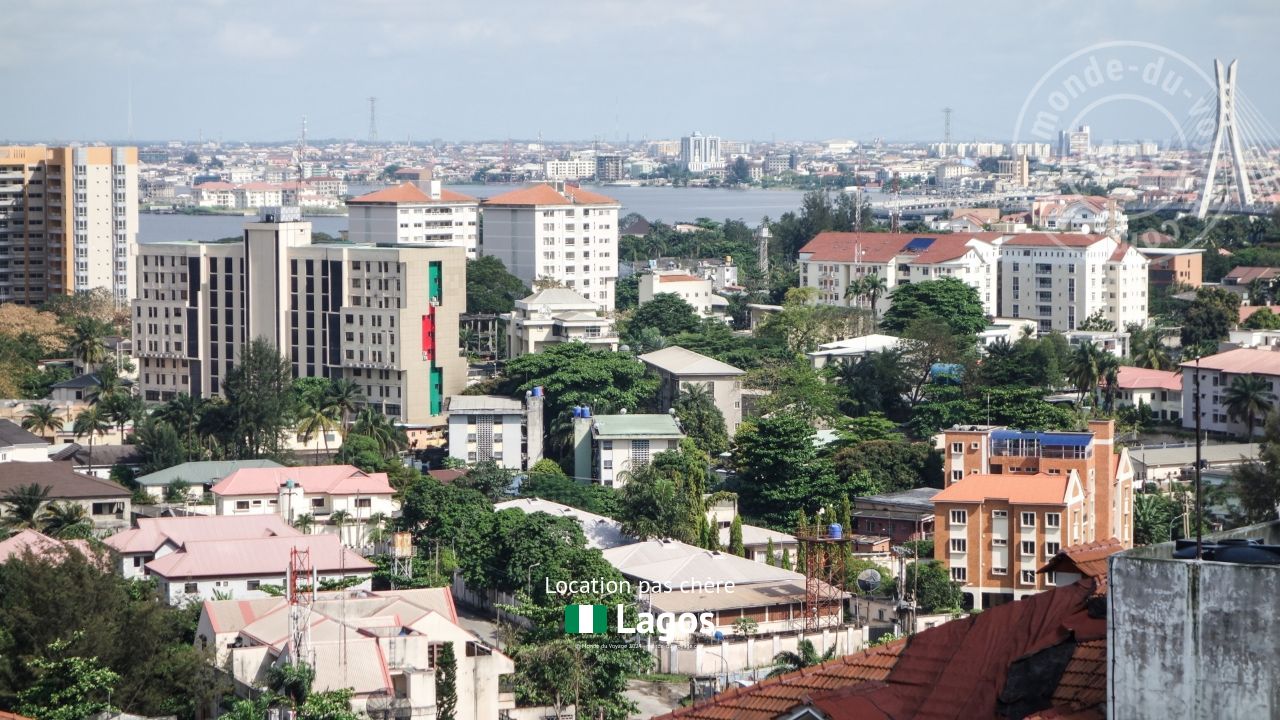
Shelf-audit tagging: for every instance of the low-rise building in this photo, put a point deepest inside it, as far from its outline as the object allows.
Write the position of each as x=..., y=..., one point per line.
x=1159, y=391
x=556, y=315
x=602, y=532
x=156, y=537
x=488, y=427
x=106, y=502
x=1174, y=266
x=902, y=516
x=384, y=646
x=680, y=369
x=337, y=498
x=607, y=447
x=695, y=290
x=1163, y=465
x=200, y=475
x=851, y=350
x=19, y=445
x=1216, y=373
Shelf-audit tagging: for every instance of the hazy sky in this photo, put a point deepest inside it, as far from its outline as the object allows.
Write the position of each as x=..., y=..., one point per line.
x=568, y=69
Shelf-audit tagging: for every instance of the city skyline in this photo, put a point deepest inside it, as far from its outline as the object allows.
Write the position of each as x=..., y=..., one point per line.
x=612, y=71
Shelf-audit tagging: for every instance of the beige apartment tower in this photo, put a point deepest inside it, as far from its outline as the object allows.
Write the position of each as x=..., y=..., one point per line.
x=385, y=318
x=68, y=221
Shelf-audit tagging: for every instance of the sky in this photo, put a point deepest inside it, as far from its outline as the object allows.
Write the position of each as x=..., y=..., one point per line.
x=230, y=70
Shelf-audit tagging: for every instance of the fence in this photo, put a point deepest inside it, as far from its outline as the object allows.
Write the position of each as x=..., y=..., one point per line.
x=750, y=655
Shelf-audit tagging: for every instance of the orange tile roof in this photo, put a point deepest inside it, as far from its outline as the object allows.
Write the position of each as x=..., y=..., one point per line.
x=1122, y=249
x=678, y=278
x=856, y=246
x=544, y=194
x=1241, y=361
x=409, y=193
x=1088, y=559
x=1133, y=378
x=1037, y=489
x=1064, y=239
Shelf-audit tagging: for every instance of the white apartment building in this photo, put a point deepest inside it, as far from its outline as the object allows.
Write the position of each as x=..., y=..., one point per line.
x=556, y=315
x=556, y=232
x=501, y=429
x=384, y=317
x=68, y=221
x=1216, y=374
x=607, y=447
x=833, y=261
x=1059, y=280
x=680, y=368
x=696, y=291
x=577, y=168
x=1079, y=214
x=699, y=153
x=407, y=215
x=1159, y=391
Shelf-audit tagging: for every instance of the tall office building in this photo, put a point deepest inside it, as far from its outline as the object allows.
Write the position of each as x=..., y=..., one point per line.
x=699, y=153
x=1075, y=143
x=556, y=232
x=385, y=318
x=68, y=221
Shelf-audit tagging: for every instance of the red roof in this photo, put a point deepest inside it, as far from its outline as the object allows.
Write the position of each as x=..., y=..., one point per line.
x=1121, y=250
x=1243, y=275
x=1087, y=559
x=678, y=278
x=883, y=247
x=1019, y=489
x=316, y=479
x=1241, y=361
x=544, y=194
x=409, y=193
x=959, y=670
x=1136, y=378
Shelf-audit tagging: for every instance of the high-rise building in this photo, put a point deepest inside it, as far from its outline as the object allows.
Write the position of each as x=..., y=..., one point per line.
x=699, y=153
x=68, y=221
x=385, y=318
x=1075, y=143
x=608, y=168
x=413, y=215
x=556, y=232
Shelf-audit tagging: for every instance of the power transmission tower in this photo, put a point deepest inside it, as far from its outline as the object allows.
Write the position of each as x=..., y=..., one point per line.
x=373, y=119
x=946, y=126
x=1229, y=127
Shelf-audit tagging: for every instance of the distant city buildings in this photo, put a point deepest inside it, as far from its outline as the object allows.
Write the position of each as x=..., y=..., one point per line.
x=700, y=153
x=385, y=318
x=68, y=221
x=1074, y=143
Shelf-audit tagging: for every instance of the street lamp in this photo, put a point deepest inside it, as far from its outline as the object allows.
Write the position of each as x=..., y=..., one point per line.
x=724, y=664
x=528, y=577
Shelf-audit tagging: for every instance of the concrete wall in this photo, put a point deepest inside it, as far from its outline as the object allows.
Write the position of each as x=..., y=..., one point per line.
x=735, y=655
x=1192, y=640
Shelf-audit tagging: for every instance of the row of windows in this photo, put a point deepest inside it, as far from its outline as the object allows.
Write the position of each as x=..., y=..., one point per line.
x=1026, y=577
x=1051, y=520
x=1028, y=547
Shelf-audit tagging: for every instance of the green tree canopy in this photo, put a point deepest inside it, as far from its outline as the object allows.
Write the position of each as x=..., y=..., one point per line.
x=779, y=470
x=663, y=499
x=259, y=394
x=667, y=313
x=949, y=299
x=1209, y=319
x=547, y=481
x=491, y=289
x=701, y=420
x=932, y=587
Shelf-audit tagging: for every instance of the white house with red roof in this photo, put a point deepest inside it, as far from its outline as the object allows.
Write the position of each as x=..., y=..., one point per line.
x=1160, y=391
x=833, y=261
x=1217, y=372
x=1078, y=213
x=157, y=537
x=558, y=232
x=409, y=215
x=385, y=646
x=318, y=491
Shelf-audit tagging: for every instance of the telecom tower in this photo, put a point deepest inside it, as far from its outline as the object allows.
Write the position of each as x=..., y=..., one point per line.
x=762, y=236
x=373, y=119
x=301, y=597
x=1227, y=125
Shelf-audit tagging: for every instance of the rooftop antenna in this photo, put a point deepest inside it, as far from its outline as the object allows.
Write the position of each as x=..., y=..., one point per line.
x=895, y=216
x=301, y=598
x=373, y=119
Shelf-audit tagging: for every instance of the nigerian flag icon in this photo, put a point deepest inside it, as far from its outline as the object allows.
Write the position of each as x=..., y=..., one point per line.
x=585, y=619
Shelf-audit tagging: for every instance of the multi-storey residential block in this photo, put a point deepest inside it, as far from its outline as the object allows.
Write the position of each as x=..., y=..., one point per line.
x=408, y=215
x=556, y=315
x=68, y=221
x=680, y=369
x=1174, y=266
x=1159, y=391
x=833, y=261
x=385, y=318
x=607, y=447
x=696, y=291
x=1105, y=476
x=1059, y=280
x=1216, y=373
x=994, y=531
x=501, y=429
x=577, y=168
x=609, y=168
x=699, y=153
x=556, y=232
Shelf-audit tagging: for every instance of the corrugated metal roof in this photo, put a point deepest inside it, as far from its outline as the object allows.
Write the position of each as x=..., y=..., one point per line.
x=639, y=425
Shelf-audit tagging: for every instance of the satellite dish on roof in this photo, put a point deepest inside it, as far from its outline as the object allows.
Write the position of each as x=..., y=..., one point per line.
x=869, y=580
x=379, y=706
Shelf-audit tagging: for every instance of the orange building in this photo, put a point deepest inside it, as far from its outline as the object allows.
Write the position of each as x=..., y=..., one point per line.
x=1174, y=266
x=1072, y=487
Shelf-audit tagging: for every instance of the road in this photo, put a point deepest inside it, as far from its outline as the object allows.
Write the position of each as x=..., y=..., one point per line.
x=655, y=698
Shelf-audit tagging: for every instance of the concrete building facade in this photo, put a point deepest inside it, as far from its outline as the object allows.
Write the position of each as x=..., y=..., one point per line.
x=68, y=221
x=556, y=315
x=385, y=318
x=1060, y=280
x=607, y=447
x=679, y=369
x=408, y=215
x=696, y=291
x=501, y=429
x=1216, y=373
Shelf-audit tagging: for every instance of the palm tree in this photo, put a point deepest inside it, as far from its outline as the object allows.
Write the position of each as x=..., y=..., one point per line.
x=304, y=523
x=42, y=419
x=66, y=520
x=1111, y=376
x=1248, y=396
x=121, y=408
x=370, y=421
x=317, y=420
x=855, y=289
x=1148, y=348
x=804, y=656
x=108, y=383
x=340, y=518
x=182, y=412
x=1087, y=368
x=91, y=421
x=86, y=344
x=873, y=286
x=376, y=528
x=23, y=507
x=344, y=397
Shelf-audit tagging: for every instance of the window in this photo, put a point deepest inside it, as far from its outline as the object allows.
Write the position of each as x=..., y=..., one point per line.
x=999, y=514
x=1053, y=520
x=1029, y=547
x=242, y=505
x=957, y=447
x=959, y=574
x=1051, y=549
x=1028, y=577
x=317, y=502
x=999, y=571
x=959, y=517
x=959, y=545
x=253, y=584
x=364, y=502
x=608, y=464
x=1028, y=519
x=191, y=589
x=957, y=475
x=999, y=542
x=606, y=444
x=137, y=561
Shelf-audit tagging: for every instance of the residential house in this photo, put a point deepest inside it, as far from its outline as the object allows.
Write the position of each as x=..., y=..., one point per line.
x=106, y=502
x=693, y=289
x=157, y=537
x=384, y=646
x=80, y=388
x=679, y=369
x=102, y=461
x=602, y=532
x=1159, y=391
x=1167, y=267
x=902, y=516
x=1215, y=374
x=19, y=445
x=556, y=315
x=852, y=349
x=1079, y=214
x=488, y=427
x=42, y=546
x=607, y=447
x=200, y=475
x=1162, y=465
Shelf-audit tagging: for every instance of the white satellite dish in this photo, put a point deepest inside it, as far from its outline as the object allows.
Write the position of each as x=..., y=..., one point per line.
x=869, y=580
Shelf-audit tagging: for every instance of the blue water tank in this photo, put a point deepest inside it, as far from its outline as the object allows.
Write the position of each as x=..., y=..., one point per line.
x=537, y=391
x=586, y=411
x=577, y=411
x=835, y=531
